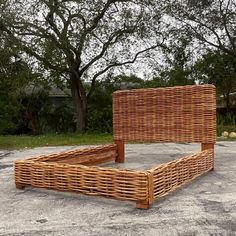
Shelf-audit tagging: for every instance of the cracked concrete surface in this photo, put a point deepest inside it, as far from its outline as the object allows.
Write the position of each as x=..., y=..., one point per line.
x=207, y=206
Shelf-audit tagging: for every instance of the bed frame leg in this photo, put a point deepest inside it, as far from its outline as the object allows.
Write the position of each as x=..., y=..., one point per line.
x=206, y=146
x=146, y=204
x=120, y=151
x=143, y=204
x=20, y=186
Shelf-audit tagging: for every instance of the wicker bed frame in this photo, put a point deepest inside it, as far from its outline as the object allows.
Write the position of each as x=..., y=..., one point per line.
x=176, y=114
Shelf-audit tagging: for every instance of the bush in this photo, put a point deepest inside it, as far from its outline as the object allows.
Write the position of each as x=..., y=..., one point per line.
x=8, y=112
x=34, y=106
x=226, y=120
x=60, y=119
x=39, y=114
x=100, y=120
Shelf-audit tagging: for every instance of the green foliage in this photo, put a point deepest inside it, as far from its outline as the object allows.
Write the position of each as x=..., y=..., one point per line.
x=219, y=69
x=100, y=103
x=8, y=111
x=59, y=119
x=221, y=128
x=210, y=24
x=14, y=75
x=215, y=67
x=40, y=114
x=34, y=107
x=226, y=119
x=100, y=120
x=177, y=58
x=155, y=82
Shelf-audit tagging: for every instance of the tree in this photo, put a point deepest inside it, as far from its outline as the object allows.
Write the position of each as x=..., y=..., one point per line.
x=82, y=40
x=211, y=24
x=211, y=28
x=176, y=63
x=217, y=68
x=14, y=75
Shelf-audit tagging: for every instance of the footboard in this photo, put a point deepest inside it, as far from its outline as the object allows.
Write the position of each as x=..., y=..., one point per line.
x=72, y=171
x=91, y=180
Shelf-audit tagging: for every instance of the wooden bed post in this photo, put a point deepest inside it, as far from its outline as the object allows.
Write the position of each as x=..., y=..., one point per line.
x=120, y=158
x=206, y=146
x=20, y=186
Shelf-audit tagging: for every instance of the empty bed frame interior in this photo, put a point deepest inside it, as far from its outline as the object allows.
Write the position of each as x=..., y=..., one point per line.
x=176, y=114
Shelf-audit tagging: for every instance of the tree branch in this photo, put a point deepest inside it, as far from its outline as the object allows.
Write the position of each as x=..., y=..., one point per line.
x=95, y=22
x=111, y=40
x=30, y=51
x=201, y=37
x=224, y=18
x=117, y=64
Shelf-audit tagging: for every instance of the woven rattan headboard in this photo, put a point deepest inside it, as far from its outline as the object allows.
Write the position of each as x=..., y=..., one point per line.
x=173, y=114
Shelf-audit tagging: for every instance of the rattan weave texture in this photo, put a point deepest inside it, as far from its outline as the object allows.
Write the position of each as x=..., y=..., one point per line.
x=86, y=156
x=91, y=180
x=172, y=175
x=175, y=114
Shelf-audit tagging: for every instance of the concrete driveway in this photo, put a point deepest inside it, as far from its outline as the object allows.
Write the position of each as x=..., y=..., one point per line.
x=207, y=206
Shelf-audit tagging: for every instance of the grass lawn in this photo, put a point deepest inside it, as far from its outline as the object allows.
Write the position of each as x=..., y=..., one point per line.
x=27, y=141
x=30, y=141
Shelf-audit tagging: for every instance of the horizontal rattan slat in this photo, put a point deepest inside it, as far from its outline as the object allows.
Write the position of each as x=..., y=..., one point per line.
x=174, y=114
x=172, y=175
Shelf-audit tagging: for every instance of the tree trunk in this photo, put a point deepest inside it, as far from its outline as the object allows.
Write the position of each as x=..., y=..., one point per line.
x=80, y=100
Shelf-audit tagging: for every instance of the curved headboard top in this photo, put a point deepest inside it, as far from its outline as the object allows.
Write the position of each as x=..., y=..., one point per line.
x=171, y=114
